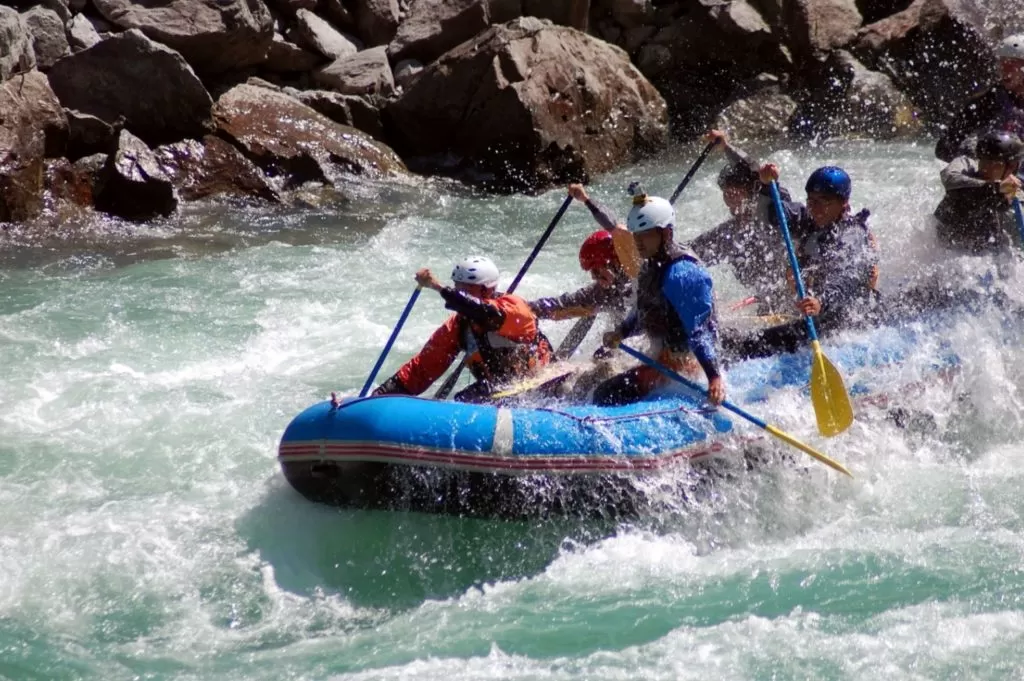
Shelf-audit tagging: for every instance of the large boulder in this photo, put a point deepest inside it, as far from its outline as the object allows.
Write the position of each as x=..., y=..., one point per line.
x=528, y=104
x=288, y=139
x=87, y=134
x=134, y=186
x=435, y=26
x=765, y=114
x=572, y=13
x=933, y=51
x=365, y=73
x=286, y=57
x=700, y=61
x=213, y=167
x=129, y=76
x=214, y=36
x=16, y=53
x=49, y=41
x=81, y=33
x=22, y=152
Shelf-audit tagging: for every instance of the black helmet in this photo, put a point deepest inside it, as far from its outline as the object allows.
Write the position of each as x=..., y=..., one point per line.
x=1000, y=145
x=738, y=174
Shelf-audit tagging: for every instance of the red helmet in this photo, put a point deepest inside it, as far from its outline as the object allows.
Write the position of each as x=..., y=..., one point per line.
x=598, y=251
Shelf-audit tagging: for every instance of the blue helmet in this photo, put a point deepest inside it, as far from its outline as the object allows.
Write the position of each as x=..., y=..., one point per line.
x=830, y=180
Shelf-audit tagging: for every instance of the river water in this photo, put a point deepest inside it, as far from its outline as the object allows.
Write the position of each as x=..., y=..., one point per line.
x=146, y=532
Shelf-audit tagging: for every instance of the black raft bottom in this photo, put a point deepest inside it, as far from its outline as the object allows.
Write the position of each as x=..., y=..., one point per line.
x=385, y=486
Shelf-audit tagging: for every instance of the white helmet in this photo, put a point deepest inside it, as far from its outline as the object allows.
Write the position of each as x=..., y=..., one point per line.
x=650, y=212
x=476, y=270
x=1011, y=48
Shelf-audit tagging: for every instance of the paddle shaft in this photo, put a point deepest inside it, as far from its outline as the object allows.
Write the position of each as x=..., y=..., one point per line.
x=785, y=437
x=1020, y=217
x=391, y=341
x=693, y=170
x=453, y=378
x=575, y=336
x=784, y=226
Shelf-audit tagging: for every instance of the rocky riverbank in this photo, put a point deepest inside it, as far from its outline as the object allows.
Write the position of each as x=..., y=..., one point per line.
x=129, y=108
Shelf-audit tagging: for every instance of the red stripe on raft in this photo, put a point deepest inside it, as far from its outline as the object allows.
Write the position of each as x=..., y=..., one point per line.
x=294, y=452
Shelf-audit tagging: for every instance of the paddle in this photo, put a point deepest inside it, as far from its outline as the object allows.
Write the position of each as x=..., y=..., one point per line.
x=1020, y=217
x=446, y=388
x=693, y=170
x=391, y=341
x=831, y=402
x=772, y=430
x=575, y=336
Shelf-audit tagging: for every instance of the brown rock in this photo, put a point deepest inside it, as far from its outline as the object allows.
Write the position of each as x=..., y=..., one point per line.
x=365, y=73
x=572, y=13
x=287, y=138
x=285, y=57
x=214, y=36
x=130, y=76
x=213, y=168
x=351, y=110
x=528, y=104
x=67, y=183
x=317, y=35
x=435, y=26
x=134, y=186
x=81, y=33
x=87, y=134
x=817, y=27
x=763, y=115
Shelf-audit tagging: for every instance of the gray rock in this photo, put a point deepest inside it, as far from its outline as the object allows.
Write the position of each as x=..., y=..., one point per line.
x=134, y=186
x=505, y=10
x=81, y=33
x=527, y=105
x=16, y=53
x=317, y=35
x=350, y=110
x=406, y=72
x=435, y=26
x=87, y=134
x=763, y=115
x=129, y=76
x=214, y=36
x=286, y=57
x=376, y=21
x=366, y=73
x=213, y=167
x=49, y=41
x=816, y=27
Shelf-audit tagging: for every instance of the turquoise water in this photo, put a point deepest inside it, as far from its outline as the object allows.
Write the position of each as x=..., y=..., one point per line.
x=146, y=532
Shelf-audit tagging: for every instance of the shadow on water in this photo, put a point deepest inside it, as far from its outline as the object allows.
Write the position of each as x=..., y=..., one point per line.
x=397, y=560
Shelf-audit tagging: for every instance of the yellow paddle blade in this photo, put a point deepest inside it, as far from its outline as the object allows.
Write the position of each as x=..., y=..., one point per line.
x=828, y=395
x=544, y=380
x=807, y=449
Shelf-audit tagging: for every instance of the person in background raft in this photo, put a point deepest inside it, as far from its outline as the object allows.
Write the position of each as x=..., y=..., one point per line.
x=498, y=332
x=612, y=289
x=838, y=259
x=674, y=307
x=1000, y=107
x=747, y=241
x=976, y=215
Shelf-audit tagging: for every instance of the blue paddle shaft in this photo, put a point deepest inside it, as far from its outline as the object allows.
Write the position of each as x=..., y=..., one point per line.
x=540, y=244
x=784, y=226
x=1020, y=217
x=391, y=341
x=675, y=376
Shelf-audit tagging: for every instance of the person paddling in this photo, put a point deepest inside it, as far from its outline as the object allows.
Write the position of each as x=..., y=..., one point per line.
x=498, y=332
x=976, y=214
x=674, y=308
x=611, y=290
x=838, y=258
x=1000, y=107
x=747, y=241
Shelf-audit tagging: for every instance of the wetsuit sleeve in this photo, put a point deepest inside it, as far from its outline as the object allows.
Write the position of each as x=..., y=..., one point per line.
x=844, y=269
x=601, y=214
x=629, y=326
x=797, y=218
x=687, y=286
x=432, y=361
x=582, y=303
x=480, y=312
x=959, y=177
